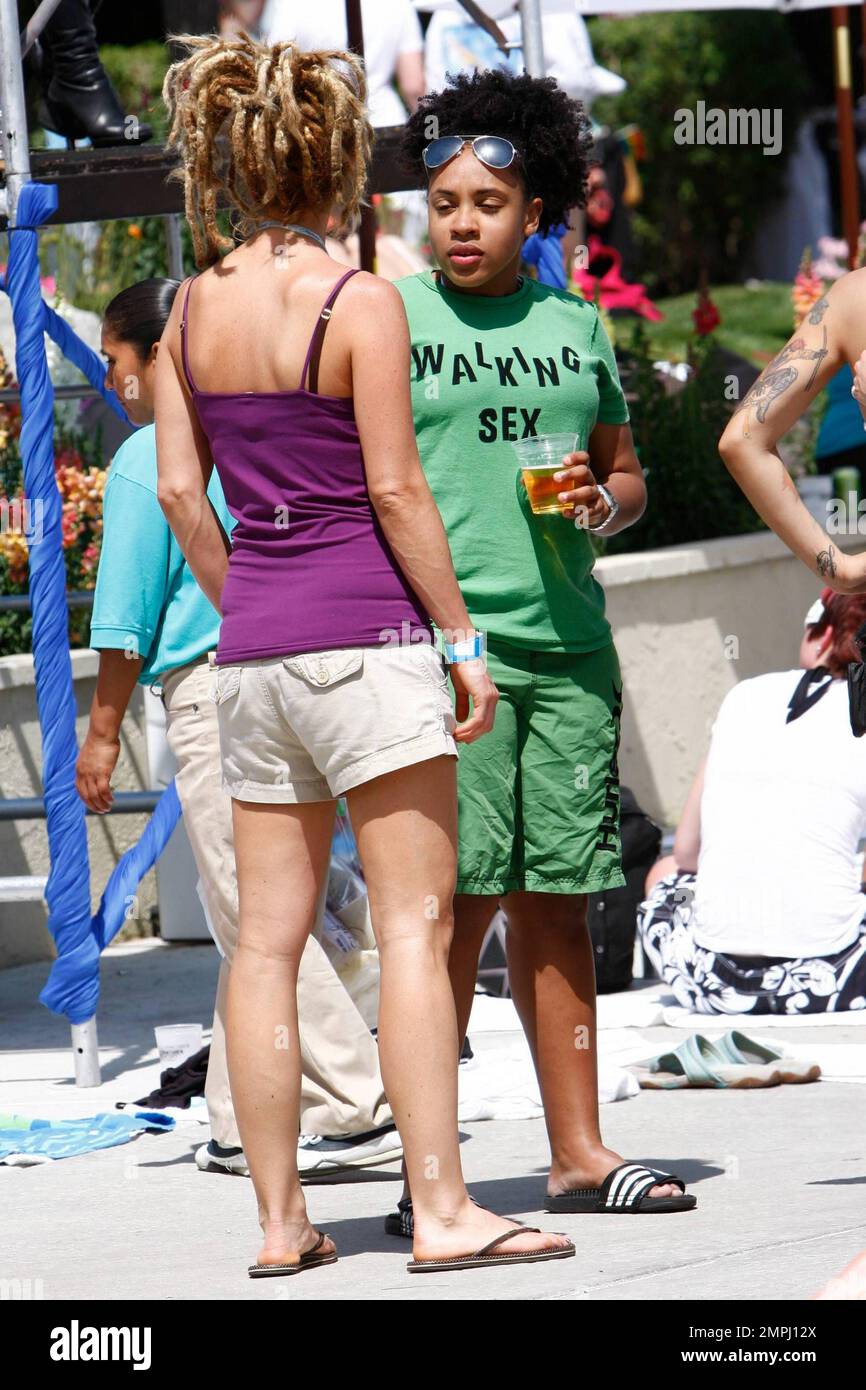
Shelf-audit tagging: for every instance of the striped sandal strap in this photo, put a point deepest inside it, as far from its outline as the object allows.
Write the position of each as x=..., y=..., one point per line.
x=627, y=1185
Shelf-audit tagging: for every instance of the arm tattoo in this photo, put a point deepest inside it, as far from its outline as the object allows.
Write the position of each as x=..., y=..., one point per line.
x=818, y=310
x=825, y=563
x=779, y=375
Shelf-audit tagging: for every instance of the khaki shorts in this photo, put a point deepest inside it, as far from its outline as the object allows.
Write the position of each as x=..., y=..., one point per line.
x=310, y=727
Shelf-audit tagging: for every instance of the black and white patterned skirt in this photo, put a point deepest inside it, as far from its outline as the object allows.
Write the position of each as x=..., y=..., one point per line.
x=708, y=982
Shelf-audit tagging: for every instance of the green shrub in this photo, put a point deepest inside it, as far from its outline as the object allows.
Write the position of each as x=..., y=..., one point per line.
x=137, y=72
x=690, y=494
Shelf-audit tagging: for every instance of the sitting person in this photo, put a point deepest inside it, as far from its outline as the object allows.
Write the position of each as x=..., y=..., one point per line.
x=760, y=909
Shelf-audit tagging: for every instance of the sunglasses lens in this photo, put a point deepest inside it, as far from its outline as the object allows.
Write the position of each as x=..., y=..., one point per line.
x=494, y=151
x=438, y=151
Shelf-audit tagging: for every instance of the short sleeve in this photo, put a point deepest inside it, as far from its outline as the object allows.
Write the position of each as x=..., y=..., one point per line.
x=411, y=35
x=131, y=580
x=612, y=407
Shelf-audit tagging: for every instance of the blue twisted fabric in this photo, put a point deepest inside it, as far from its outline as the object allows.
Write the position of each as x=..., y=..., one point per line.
x=81, y=355
x=131, y=868
x=545, y=252
x=73, y=983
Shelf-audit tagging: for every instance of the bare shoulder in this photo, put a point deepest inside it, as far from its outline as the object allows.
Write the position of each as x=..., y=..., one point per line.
x=171, y=330
x=843, y=309
x=374, y=292
x=378, y=312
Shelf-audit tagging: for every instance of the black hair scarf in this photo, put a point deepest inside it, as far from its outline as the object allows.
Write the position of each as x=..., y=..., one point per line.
x=802, y=698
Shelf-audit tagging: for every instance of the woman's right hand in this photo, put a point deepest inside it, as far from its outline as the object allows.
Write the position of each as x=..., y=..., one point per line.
x=93, y=772
x=471, y=681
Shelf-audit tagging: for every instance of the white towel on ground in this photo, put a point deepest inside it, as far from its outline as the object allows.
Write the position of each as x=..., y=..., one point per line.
x=499, y=1082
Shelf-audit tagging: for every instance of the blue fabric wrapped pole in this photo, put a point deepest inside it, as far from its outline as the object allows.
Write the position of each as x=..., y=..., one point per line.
x=67, y=891
x=73, y=983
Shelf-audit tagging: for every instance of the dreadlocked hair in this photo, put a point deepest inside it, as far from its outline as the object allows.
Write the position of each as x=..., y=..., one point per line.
x=274, y=128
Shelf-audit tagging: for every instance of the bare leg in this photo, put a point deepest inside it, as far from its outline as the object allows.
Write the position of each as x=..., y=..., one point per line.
x=552, y=977
x=405, y=824
x=472, y=917
x=281, y=852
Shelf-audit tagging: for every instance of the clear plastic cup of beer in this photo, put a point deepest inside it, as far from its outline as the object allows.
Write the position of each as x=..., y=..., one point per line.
x=539, y=459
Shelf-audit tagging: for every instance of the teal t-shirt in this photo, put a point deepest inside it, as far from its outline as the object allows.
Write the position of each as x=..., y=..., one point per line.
x=147, y=600
x=488, y=371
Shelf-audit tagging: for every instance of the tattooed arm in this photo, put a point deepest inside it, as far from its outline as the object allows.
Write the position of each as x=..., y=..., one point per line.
x=832, y=333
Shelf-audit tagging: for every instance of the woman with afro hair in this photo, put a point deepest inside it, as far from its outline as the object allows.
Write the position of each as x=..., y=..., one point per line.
x=498, y=358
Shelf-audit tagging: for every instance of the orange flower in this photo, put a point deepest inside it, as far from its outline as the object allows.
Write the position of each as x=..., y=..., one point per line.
x=13, y=549
x=807, y=289
x=134, y=230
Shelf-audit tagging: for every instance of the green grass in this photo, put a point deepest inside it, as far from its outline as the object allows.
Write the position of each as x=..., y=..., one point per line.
x=754, y=322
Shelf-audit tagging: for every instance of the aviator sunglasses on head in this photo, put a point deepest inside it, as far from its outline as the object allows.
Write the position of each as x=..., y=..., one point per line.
x=493, y=150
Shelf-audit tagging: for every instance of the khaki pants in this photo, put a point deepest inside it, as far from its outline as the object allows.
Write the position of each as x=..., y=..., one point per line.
x=341, y=1086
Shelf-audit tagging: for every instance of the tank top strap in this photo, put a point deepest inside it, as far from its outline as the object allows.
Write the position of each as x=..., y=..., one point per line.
x=314, y=350
x=184, y=335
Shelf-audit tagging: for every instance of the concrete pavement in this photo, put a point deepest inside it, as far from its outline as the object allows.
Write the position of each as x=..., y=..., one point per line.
x=779, y=1174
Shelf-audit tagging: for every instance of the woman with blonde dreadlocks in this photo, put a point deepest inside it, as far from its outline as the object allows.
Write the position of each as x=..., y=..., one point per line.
x=327, y=683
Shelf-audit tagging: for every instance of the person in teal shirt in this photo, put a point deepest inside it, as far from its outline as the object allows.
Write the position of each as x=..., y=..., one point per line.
x=147, y=600
x=498, y=360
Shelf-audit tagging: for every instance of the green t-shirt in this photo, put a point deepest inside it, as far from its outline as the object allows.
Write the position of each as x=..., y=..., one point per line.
x=488, y=371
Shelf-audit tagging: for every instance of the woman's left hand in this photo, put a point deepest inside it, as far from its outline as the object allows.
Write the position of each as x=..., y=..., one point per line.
x=585, y=503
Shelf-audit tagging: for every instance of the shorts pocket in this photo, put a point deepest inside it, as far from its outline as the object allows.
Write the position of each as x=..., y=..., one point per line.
x=323, y=669
x=225, y=684
x=434, y=666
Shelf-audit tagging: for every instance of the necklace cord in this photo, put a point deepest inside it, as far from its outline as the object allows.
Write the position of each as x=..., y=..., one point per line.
x=290, y=227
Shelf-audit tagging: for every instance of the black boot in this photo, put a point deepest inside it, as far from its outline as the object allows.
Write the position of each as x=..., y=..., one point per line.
x=80, y=100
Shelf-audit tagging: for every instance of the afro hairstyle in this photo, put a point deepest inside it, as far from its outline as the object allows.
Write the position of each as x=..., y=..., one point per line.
x=550, y=129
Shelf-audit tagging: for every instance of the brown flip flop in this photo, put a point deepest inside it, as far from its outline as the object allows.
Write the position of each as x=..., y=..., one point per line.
x=482, y=1257
x=309, y=1260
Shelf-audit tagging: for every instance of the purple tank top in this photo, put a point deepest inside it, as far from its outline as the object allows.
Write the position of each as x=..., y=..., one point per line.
x=310, y=566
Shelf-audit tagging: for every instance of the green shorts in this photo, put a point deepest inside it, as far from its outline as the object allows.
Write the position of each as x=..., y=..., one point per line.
x=538, y=797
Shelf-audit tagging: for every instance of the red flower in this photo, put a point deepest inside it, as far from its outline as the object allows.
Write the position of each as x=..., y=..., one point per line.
x=706, y=316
